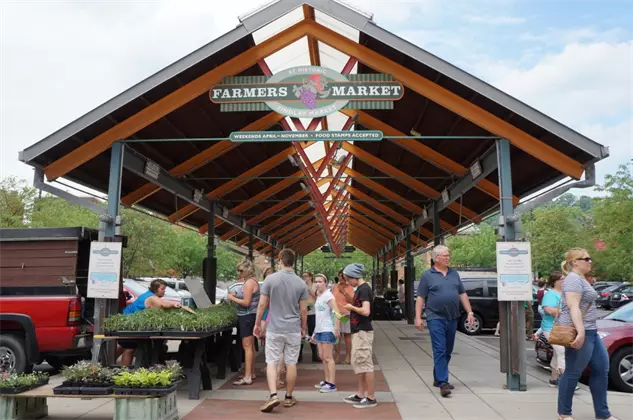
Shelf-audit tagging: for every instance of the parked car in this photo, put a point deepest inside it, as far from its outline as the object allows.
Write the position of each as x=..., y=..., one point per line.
x=601, y=285
x=616, y=331
x=605, y=295
x=482, y=293
x=621, y=297
x=134, y=289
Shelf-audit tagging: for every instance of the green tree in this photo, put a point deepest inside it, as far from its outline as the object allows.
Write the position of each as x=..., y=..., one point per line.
x=226, y=262
x=474, y=250
x=49, y=211
x=612, y=222
x=148, y=252
x=188, y=250
x=552, y=230
x=328, y=264
x=16, y=202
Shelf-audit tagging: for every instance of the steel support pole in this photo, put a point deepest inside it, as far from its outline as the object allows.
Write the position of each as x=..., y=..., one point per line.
x=512, y=333
x=250, y=243
x=437, y=230
x=302, y=263
x=384, y=281
x=373, y=273
x=394, y=271
x=408, y=283
x=296, y=262
x=110, y=226
x=211, y=263
x=272, y=255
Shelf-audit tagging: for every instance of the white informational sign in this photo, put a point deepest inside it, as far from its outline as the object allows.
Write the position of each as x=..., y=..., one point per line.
x=198, y=294
x=104, y=270
x=514, y=271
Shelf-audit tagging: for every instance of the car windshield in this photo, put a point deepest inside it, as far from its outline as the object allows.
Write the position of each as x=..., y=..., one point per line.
x=624, y=314
x=135, y=287
x=611, y=288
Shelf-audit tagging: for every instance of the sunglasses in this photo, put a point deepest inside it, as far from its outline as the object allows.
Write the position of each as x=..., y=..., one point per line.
x=586, y=259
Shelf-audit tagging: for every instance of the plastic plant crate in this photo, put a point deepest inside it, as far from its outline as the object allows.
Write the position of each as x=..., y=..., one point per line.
x=22, y=408
x=151, y=408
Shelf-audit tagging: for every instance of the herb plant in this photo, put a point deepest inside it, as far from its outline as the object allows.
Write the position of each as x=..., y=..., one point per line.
x=210, y=319
x=14, y=380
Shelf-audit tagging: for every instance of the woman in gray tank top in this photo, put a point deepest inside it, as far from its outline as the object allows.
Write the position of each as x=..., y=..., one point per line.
x=578, y=308
x=244, y=294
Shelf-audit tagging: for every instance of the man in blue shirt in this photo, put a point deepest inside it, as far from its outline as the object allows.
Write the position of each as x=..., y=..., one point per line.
x=442, y=291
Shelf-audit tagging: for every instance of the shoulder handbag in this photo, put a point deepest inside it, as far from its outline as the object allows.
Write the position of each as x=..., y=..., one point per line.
x=564, y=335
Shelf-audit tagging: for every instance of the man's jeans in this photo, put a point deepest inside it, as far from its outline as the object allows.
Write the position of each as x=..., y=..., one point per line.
x=594, y=354
x=442, y=339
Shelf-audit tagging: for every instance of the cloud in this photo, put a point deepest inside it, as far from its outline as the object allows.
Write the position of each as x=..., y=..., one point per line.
x=583, y=84
x=496, y=20
x=564, y=36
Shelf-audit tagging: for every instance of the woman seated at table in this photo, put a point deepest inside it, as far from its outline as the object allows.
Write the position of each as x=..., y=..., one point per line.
x=147, y=300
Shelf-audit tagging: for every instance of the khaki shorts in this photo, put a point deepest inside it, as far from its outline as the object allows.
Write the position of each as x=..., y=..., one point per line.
x=362, y=352
x=287, y=344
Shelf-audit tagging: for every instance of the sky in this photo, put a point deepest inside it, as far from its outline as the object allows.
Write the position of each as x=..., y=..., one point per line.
x=571, y=60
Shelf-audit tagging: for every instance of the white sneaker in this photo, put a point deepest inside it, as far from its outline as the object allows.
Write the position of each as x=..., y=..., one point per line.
x=320, y=385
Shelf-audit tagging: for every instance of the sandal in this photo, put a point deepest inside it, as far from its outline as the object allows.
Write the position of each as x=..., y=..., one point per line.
x=242, y=382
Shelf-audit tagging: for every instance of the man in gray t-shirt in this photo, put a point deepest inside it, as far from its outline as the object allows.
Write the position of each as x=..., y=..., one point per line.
x=286, y=296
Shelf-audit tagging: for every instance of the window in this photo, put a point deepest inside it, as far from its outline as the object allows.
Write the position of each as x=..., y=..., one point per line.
x=474, y=288
x=492, y=288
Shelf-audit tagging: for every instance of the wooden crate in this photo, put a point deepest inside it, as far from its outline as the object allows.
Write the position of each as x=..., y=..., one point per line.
x=22, y=408
x=160, y=408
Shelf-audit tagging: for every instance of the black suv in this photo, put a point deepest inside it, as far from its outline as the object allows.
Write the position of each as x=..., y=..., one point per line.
x=482, y=293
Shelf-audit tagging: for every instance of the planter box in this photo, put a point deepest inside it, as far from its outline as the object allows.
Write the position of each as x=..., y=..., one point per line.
x=21, y=408
x=146, y=391
x=160, y=408
x=66, y=390
x=95, y=390
x=13, y=391
x=135, y=333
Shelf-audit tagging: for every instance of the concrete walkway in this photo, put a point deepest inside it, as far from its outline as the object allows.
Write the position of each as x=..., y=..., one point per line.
x=404, y=389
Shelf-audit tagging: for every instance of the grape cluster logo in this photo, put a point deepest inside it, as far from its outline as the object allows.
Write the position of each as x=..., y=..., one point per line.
x=305, y=92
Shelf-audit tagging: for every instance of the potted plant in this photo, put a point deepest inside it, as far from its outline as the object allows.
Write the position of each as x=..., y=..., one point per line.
x=13, y=383
x=156, y=381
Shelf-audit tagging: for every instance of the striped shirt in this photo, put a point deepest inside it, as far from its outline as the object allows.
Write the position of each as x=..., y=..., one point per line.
x=238, y=288
x=576, y=284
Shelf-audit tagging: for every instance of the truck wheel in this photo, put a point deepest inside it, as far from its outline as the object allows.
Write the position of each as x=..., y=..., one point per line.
x=12, y=354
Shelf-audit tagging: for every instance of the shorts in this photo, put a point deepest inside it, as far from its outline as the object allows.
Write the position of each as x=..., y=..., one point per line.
x=362, y=352
x=246, y=325
x=346, y=328
x=128, y=344
x=325, y=337
x=558, y=355
x=288, y=344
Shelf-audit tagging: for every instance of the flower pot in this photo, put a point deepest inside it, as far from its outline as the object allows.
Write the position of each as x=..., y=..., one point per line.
x=95, y=390
x=66, y=390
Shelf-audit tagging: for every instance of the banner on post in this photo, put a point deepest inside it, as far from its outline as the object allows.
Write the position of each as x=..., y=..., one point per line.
x=104, y=270
x=274, y=136
x=514, y=271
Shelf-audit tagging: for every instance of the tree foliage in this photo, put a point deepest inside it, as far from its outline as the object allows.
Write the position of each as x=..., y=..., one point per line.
x=603, y=225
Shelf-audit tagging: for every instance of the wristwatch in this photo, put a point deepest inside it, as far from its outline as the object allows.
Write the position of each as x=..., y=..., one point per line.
x=471, y=313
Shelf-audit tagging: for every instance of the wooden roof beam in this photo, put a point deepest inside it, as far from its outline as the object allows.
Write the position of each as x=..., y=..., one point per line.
x=235, y=183
x=449, y=100
x=405, y=178
x=423, y=151
x=199, y=160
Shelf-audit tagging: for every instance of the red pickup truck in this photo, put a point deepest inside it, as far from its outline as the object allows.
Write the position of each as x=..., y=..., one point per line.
x=43, y=311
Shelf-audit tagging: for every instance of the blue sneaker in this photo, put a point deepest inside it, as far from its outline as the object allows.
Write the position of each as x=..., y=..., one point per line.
x=328, y=388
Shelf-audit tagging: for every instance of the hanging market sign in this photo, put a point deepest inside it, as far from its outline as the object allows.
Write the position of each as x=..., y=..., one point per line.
x=271, y=136
x=306, y=92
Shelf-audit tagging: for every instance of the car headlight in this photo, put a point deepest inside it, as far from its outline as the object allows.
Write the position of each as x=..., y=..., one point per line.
x=603, y=334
